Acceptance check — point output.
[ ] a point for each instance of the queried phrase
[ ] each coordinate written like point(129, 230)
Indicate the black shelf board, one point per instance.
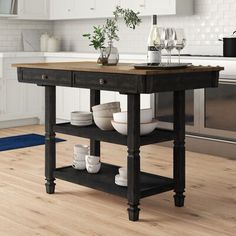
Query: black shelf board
point(105, 180)
point(157, 136)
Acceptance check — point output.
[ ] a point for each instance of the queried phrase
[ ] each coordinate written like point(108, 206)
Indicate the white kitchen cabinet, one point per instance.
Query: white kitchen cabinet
point(62, 9)
point(20, 104)
point(33, 9)
point(105, 8)
point(160, 7)
point(79, 9)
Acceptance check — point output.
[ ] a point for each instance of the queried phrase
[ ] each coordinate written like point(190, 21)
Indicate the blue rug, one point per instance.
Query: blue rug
point(23, 141)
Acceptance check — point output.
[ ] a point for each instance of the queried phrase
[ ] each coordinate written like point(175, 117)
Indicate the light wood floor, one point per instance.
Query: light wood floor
point(25, 208)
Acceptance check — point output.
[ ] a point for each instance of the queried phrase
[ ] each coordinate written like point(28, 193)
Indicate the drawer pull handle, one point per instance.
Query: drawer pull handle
point(101, 81)
point(44, 77)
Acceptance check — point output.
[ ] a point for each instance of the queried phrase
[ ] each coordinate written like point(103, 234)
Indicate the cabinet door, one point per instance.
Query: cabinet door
point(33, 9)
point(95, 8)
point(85, 9)
point(135, 5)
point(105, 8)
point(62, 9)
point(159, 7)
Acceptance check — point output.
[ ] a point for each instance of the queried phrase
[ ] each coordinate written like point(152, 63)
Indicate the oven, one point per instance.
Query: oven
point(210, 113)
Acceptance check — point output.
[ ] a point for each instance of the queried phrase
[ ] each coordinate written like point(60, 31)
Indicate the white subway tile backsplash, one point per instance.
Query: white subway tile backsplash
point(10, 36)
point(212, 19)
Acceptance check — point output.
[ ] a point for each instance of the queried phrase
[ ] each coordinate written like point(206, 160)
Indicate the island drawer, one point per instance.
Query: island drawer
point(45, 77)
point(122, 83)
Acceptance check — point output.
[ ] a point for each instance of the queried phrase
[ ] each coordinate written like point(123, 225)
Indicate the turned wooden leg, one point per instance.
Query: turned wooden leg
point(179, 147)
point(133, 156)
point(50, 146)
point(94, 100)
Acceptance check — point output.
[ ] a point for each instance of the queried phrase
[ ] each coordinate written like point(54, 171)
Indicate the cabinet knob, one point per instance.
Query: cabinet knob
point(142, 5)
point(44, 77)
point(91, 8)
point(101, 81)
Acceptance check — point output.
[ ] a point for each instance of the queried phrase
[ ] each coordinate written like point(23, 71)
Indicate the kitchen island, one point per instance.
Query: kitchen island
point(125, 80)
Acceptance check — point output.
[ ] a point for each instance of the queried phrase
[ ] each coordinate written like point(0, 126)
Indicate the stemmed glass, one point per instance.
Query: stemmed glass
point(170, 42)
point(180, 40)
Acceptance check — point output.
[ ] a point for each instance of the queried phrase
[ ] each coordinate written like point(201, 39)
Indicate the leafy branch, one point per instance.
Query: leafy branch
point(110, 30)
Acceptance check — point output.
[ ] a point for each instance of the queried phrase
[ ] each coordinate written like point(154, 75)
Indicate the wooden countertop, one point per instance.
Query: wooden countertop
point(121, 68)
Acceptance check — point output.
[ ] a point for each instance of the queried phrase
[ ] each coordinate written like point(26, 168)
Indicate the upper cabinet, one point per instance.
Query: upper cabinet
point(160, 7)
point(33, 9)
point(80, 9)
point(62, 9)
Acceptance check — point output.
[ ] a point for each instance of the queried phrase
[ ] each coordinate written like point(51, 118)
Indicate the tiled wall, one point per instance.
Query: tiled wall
point(10, 32)
point(211, 19)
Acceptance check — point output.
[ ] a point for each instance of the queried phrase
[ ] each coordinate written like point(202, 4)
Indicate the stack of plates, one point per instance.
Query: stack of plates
point(81, 118)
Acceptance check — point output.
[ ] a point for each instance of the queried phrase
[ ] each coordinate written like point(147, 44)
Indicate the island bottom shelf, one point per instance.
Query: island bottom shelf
point(105, 180)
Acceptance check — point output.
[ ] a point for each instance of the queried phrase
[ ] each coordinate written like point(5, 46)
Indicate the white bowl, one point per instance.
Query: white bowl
point(103, 123)
point(92, 160)
point(123, 172)
point(145, 116)
point(93, 169)
point(81, 115)
point(79, 165)
point(144, 128)
point(106, 113)
point(106, 106)
point(79, 148)
point(121, 182)
point(81, 123)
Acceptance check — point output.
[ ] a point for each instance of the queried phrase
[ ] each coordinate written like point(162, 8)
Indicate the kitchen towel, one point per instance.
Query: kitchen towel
point(23, 141)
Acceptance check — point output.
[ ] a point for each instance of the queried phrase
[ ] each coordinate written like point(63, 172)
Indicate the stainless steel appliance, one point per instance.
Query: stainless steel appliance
point(210, 116)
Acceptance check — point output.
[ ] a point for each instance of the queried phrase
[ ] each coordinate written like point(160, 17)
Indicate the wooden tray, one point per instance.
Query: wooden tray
point(162, 66)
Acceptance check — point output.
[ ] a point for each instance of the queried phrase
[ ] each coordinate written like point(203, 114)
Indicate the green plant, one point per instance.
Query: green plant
point(109, 31)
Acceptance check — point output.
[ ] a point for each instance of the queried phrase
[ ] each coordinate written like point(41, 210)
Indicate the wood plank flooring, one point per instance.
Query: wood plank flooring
point(25, 208)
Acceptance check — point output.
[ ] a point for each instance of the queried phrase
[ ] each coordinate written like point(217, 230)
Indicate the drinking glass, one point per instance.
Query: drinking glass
point(170, 42)
point(180, 40)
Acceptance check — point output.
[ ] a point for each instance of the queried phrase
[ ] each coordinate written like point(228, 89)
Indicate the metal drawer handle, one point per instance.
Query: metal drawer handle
point(102, 81)
point(44, 77)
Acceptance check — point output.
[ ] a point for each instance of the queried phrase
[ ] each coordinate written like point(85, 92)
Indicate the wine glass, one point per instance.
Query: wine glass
point(170, 42)
point(180, 40)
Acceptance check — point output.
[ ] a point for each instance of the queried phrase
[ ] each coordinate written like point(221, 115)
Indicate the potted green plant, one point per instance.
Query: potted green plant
point(108, 33)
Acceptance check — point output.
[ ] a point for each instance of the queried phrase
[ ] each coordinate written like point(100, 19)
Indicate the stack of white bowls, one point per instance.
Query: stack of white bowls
point(103, 114)
point(80, 152)
point(121, 178)
point(81, 118)
point(93, 164)
point(147, 124)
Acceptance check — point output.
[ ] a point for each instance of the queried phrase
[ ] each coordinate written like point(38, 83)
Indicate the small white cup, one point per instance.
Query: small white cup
point(123, 172)
point(92, 160)
point(93, 169)
point(81, 149)
point(79, 165)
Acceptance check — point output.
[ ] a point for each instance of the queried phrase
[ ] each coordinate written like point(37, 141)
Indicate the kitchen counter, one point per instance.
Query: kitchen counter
point(123, 56)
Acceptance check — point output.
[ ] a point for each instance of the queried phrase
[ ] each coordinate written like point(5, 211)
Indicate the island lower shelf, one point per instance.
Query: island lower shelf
point(93, 132)
point(104, 181)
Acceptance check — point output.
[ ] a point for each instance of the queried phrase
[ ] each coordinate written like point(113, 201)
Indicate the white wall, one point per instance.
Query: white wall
point(211, 19)
point(10, 32)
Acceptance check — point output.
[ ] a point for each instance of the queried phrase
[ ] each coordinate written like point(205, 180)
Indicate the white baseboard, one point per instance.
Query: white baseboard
point(19, 122)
